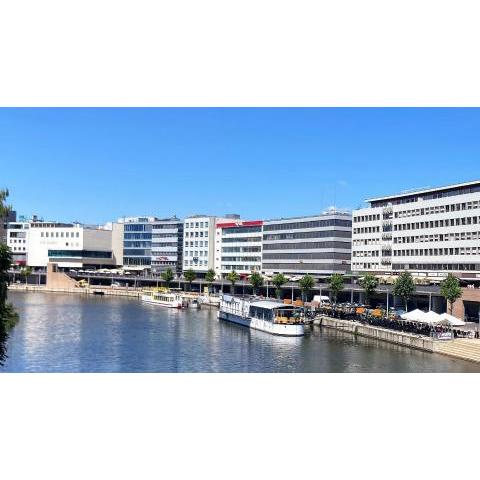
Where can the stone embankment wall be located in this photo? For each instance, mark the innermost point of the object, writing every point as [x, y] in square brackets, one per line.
[399, 338]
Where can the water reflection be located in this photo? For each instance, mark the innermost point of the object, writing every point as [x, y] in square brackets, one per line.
[61, 333]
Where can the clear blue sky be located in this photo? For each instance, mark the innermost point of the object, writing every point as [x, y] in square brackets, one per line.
[94, 165]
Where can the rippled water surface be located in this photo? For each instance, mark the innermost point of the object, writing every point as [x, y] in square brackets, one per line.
[73, 333]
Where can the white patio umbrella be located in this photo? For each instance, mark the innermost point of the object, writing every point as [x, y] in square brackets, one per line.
[432, 318]
[414, 316]
[451, 320]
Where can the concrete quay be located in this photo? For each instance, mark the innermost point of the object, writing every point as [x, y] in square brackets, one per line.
[399, 338]
[118, 292]
[461, 348]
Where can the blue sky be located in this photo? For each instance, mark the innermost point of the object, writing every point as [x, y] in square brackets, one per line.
[94, 165]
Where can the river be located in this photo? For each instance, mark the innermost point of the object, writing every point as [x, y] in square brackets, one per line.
[75, 333]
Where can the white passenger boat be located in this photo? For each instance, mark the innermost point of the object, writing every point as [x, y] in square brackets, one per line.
[266, 315]
[163, 298]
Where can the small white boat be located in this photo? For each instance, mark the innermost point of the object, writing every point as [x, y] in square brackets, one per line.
[266, 315]
[164, 299]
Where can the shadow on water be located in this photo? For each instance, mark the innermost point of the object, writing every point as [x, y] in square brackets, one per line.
[3, 342]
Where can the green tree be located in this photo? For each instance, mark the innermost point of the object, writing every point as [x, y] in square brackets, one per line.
[26, 272]
[279, 280]
[233, 278]
[210, 278]
[306, 283]
[167, 277]
[404, 287]
[5, 263]
[4, 208]
[190, 276]
[337, 284]
[256, 280]
[369, 283]
[8, 316]
[450, 290]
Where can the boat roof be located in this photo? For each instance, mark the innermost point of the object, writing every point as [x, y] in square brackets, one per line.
[270, 305]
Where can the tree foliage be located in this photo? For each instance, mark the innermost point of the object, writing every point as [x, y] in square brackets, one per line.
[450, 290]
[189, 276]
[256, 280]
[167, 276]
[210, 276]
[306, 283]
[404, 287]
[279, 280]
[369, 283]
[4, 208]
[8, 316]
[337, 284]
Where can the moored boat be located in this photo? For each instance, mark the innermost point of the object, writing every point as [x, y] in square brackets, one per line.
[163, 298]
[266, 315]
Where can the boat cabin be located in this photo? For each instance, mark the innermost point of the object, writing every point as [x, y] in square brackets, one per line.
[276, 313]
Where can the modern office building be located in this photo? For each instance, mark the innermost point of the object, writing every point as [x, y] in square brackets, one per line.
[69, 245]
[148, 243]
[199, 241]
[428, 232]
[4, 221]
[238, 246]
[319, 245]
[17, 240]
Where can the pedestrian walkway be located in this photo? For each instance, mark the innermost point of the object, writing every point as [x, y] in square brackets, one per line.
[464, 348]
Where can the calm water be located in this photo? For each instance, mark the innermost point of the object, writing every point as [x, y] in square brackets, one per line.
[70, 333]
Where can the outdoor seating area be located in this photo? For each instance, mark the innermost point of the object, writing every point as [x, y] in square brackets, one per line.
[418, 322]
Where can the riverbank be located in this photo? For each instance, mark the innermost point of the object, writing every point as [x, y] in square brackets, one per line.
[118, 292]
[463, 349]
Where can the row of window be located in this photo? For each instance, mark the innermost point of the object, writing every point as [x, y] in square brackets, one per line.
[366, 230]
[449, 222]
[305, 267]
[307, 256]
[60, 234]
[366, 253]
[241, 249]
[452, 192]
[241, 240]
[196, 253]
[196, 224]
[242, 259]
[196, 234]
[441, 267]
[201, 243]
[240, 268]
[366, 218]
[232, 230]
[304, 235]
[366, 241]
[456, 207]
[307, 245]
[334, 222]
[79, 254]
[435, 252]
[137, 236]
[193, 263]
[439, 237]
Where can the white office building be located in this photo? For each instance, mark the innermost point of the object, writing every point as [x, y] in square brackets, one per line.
[238, 246]
[69, 245]
[17, 240]
[428, 232]
[199, 241]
